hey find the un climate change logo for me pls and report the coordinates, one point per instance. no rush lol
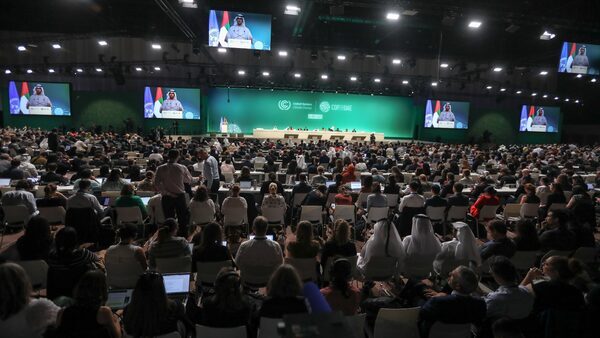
(284, 104)
(324, 106)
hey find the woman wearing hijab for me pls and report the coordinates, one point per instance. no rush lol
(421, 247)
(385, 242)
(461, 250)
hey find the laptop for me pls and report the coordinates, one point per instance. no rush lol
(4, 182)
(269, 237)
(118, 299)
(177, 286)
(329, 183)
(101, 180)
(128, 180)
(245, 184)
(105, 201)
(355, 185)
(145, 200)
(590, 186)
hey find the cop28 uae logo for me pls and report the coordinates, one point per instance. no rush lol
(324, 106)
(284, 104)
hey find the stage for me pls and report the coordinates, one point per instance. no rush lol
(315, 135)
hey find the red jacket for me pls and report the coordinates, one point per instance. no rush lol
(483, 199)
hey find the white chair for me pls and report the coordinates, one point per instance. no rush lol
(206, 272)
(377, 214)
(37, 271)
(529, 210)
(312, 213)
(256, 275)
(487, 212)
(275, 216)
(357, 323)
(259, 166)
(122, 273)
(16, 216)
(235, 216)
(512, 212)
(200, 217)
(442, 330)
(268, 327)
(397, 323)
(174, 265)
(228, 176)
(233, 332)
(306, 267)
(557, 206)
(392, 201)
(345, 212)
(361, 200)
(436, 214)
(54, 215)
(523, 260)
(130, 215)
(39, 192)
(457, 213)
(380, 269)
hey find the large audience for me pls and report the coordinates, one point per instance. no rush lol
(368, 225)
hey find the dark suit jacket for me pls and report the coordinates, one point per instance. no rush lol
(436, 201)
(458, 200)
(451, 309)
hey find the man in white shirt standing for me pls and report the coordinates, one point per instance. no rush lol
(169, 181)
(210, 171)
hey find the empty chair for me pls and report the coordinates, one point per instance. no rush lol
(361, 201)
(275, 216)
(233, 332)
(122, 273)
(16, 216)
(228, 176)
(306, 267)
(380, 269)
(173, 265)
(235, 216)
(442, 330)
(130, 215)
(37, 271)
(488, 212)
(397, 323)
(206, 272)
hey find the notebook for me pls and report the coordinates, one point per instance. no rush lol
(4, 182)
(118, 299)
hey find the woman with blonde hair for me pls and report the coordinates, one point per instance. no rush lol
(339, 245)
(304, 246)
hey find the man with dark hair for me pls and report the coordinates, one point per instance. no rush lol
(459, 307)
(210, 172)
(436, 200)
(458, 199)
(52, 176)
(301, 188)
(555, 234)
(170, 180)
(83, 199)
(21, 196)
(259, 251)
(498, 244)
(510, 299)
(413, 199)
(15, 172)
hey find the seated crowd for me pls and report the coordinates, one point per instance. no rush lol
(259, 225)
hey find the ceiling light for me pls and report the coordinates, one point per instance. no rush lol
(292, 10)
(392, 16)
(324, 77)
(567, 100)
(222, 50)
(138, 69)
(21, 48)
(341, 57)
(50, 70)
(56, 46)
(434, 84)
(396, 61)
(29, 71)
(353, 78)
(283, 53)
(156, 46)
(377, 80)
(7, 71)
(579, 76)
(488, 87)
(533, 94)
(544, 72)
(593, 80)
(519, 92)
(498, 69)
(404, 82)
(103, 43)
(474, 24)
(545, 96)
(79, 70)
(547, 36)
(99, 70)
(444, 65)
(556, 97)
(297, 75)
(241, 72)
(266, 74)
(157, 68)
(502, 89)
(576, 101)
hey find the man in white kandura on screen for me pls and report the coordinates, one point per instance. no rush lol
(447, 114)
(581, 59)
(539, 119)
(38, 98)
(171, 103)
(239, 30)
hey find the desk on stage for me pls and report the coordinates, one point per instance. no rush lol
(321, 135)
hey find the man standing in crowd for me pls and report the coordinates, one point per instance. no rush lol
(210, 171)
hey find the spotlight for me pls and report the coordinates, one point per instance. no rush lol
(498, 69)
(241, 72)
(29, 71)
(474, 24)
(545, 95)
(297, 75)
(396, 61)
(324, 77)
(138, 69)
(579, 76)
(576, 101)
(547, 36)
(283, 53)
(21, 48)
(434, 84)
(444, 65)
(502, 89)
(56, 46)
(392, 16)
(99, 70)
(265, 74)
(79, 70)
(556, 98)
(102, 43)
(222, 50)
(593, 80)
(567, 100)
(157, 68)
(533, 94)
(292, 10)
(353, 78)
(488, 87)
(544, 73)
(376, 80)
(156, 46)
(7, 71)
(519, 92)
(404, 82)
(50, 70)
(341, 57)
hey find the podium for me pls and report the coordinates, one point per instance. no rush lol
(239, 43)
(40, 110)
(172, 114)
(579, 69)
(446, 124)
(223, 127)
(538, 128)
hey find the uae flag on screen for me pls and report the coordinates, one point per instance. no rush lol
(158, 100)
(436, 113)
(24, 98)
(566, 57)
(224, 29)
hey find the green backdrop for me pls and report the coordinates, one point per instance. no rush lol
(247, 109)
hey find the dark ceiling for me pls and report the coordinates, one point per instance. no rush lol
(436, 32)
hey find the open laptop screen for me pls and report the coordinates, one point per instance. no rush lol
(177, 283)
(118, 299)
(355, 185)
(245, 184)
